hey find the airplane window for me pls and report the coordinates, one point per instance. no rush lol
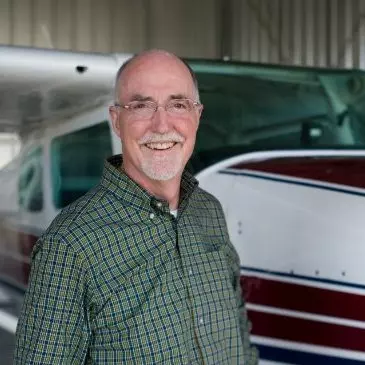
(30, 184)
(77, 162)
(246, 111)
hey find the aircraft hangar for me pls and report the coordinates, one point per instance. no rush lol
(327, 33)
(322, 33)
(313, 33)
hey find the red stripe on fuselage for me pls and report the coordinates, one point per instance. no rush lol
(15, 250)
(307, 331)
(349, 171)
(303, 298)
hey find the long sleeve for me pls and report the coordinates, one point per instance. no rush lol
(53, 327)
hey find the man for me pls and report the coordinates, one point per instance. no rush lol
(140, 270)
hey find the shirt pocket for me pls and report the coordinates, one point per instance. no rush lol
(214, 277)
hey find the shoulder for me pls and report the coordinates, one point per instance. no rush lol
(86, 237)
(206, 210)
(201, 196)
(207, 202)
(78, 224)
(77, 212)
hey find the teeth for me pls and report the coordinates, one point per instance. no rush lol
(160, 146)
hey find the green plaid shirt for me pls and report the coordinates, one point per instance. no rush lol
(116, 279)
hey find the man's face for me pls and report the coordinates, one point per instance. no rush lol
(156, 148)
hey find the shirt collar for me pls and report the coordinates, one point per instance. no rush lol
(117, 181)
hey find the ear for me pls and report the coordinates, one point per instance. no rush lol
(114, 116)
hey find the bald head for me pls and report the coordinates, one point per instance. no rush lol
(150, 56)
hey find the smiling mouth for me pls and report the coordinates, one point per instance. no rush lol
(160, 146)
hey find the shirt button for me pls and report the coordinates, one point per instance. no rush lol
(201, 321)
(190, 272)
(152, 215)
(159, 204)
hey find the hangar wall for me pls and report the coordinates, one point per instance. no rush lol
(188, 27)
(300, 32)
(328, 33)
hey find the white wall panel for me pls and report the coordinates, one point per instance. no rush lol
(254, 28)
(286, 29)
(21, 17)
(272, 26)
(64, 34)
(42, 23)
(129, 25)
(333, 43)
(321, 27)
(240, 41)
(361, 46)
(5, 21)
(309, 33)
(264, 42)
(83, 25)
(101, 34)
(185, 27)
(346, 51)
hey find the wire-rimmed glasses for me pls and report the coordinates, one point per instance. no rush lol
(147, 108)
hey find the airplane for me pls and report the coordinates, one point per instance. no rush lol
(282, 148)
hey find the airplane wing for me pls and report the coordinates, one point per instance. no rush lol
(42, 85)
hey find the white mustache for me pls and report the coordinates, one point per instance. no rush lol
(161, 138)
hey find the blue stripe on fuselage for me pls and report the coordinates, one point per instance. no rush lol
(301, 357)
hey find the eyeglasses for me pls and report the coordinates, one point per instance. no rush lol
(146, 109)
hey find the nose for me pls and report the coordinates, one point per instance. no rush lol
(160, 121)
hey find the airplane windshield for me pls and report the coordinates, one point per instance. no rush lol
(247, 108)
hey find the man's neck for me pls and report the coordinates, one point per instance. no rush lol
(168, 190)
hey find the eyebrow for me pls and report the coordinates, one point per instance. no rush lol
(178, 96)
(139, 97)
